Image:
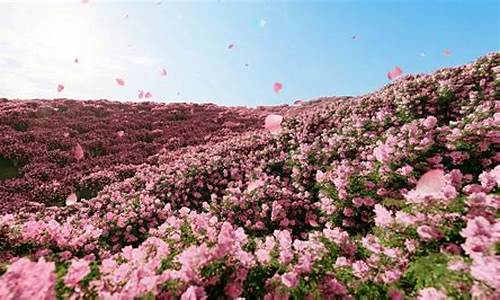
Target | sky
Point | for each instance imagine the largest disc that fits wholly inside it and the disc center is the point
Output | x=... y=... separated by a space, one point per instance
x=313 y=48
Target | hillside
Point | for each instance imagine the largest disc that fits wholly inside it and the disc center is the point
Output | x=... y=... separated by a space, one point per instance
x=390 y=195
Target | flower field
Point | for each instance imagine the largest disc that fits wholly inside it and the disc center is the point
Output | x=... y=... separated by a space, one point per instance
x=391 y=195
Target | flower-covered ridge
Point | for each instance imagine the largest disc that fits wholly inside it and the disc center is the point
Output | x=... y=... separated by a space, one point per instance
x=391 y=195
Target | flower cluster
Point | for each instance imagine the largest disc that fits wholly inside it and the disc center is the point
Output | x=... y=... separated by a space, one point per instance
x=392 y=195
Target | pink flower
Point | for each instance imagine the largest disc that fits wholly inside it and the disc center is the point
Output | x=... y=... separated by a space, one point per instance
x=254 y=185
x=194 y=293
x=395 y=294
x=290 y=279
x=429 y=233
x=383 y=216
x=360 y=269
x=383 y=152
x=479 y=235
x=457 y=265
x=429 y=122
x=487 y=269
x=76 y=272
x=431 y=294
x=233 y=290
x=29 y=280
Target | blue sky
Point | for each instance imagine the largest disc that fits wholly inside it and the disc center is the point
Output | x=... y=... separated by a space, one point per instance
x=306 y=45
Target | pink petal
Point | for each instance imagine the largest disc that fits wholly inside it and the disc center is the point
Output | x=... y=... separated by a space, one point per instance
x=141 y=95
x=298 y=102
x=230 y=46
x=273 y=123
x=60 y=88
x=396 y=72
x=277 y=87
x=120 y=133
x=148 y=95
x=71 y=199
x=431 y=183
x=163 y=72
x=66 y=134
x=447 y=52
x=120 y=81
x=76 y=60
x=353 y=37
x=78 y=152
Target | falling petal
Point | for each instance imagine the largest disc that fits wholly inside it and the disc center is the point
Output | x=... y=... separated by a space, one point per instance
x=273 y=123
x=431 y=183
x=78 y=152
x=141 y=95
x=354 y=37
x=277 y=87
x=76 y=60
x=71 y=199
x=66 y=134
x=163 y=72
x=447 y=52
x=396 y=72
x=246 y=65
x=60 y=88
x=230 y=46
x=298 y=102
x=148 y=95
x=85 y=1
x=120 y=81
x=120 y=133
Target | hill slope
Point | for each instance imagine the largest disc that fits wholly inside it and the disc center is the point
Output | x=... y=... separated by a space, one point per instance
x=389 y=195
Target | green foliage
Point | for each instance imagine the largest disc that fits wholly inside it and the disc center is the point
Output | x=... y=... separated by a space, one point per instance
x=432 y=271
x=8 y=168
x=254 y=285
x=370 y=290
x=215 y=268
x=306 y=289
x=445 y=99
x=404 y=116
x=187 y=236
x=62 y=291
x=93 y=274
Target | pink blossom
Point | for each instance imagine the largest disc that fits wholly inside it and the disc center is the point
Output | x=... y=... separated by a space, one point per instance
x=289 y=279
x=429 y=122
x=194 y=293
x=78 y=269
x=383 y=216
x=428 y=233
x=431 y=294
x=29 y=280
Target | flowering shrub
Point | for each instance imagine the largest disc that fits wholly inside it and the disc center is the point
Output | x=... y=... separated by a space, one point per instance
x=49 y=149
x=391 y=195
